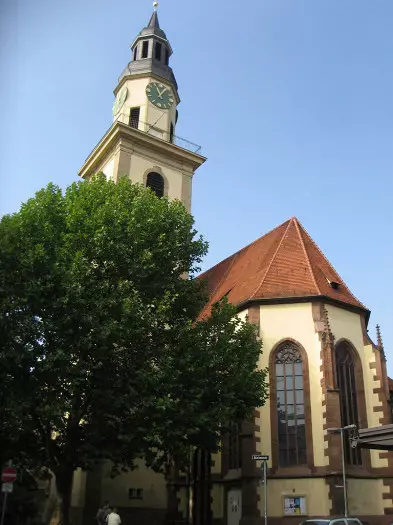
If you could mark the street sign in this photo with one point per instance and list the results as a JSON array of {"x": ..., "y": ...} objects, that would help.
[
  {"x": 259, "y": 457},
  {"x": 7, "y": 487},
  {"x": 8, "y": 475},
  {"x": 264, "y": 458}
]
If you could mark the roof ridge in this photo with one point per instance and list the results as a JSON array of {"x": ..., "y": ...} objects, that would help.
[
  {"x": 235, "y": 256},
  {"x": 330, "y": 264},
  {"x": 244, "y": 248},
  {"x": 272, "y": 259},
  {"x": 297, "y": 225}
]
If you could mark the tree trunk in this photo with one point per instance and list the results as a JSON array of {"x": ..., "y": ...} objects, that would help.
[
  {"x": 172, "y": 504},
  {"x": 64, "y": 478}
]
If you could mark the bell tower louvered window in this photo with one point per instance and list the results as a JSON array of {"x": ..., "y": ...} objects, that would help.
[
  {"x": 155, "y": 182},
  {"x": 157, "y": 51},
  {"x": 145, "y": 49},
  {"x": 134, "y": 117}
]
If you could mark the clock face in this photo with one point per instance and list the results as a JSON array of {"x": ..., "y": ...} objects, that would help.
[
  {"x": 160, "y": 95},
  {"x": 120, "y": 99}
]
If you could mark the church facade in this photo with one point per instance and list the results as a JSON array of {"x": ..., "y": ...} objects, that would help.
[
  {"x": 324, "y": 370},
  {"x": 325, "y": 373}
]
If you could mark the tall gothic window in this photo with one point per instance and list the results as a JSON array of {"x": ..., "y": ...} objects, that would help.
[
  {"x": 345, "y": 370},
  {"x": 234, "y": 447},
  {"x": 292, "y": 449},
  {"x": 155, "y": 182}
]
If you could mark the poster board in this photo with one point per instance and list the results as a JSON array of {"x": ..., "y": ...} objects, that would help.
[{"x": 294, "y": 506}]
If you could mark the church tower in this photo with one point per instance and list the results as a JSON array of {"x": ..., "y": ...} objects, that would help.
[{"x": 142, "y": 143}]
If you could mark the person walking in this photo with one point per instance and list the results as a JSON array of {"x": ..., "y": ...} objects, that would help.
[
  {"x": 102, "y": 513},
  {"x": 113, "y": 518}
]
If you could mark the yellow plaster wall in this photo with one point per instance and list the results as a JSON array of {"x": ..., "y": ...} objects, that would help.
[
  {"x": 140, "y": 163},
  {"x": 294, "y": 321},
  {"x": 216, "y": 459},
  {"x": 108, "y": 168},
  {"x": 116, "y": 490},
  {"x": 347, "y": 325},
  {"x": 365, "y": 497},
  {"x": 149, "y": 113},
  {"x": 387, "y": 499},
  {"x": 217, "y": 501},
  {"x": 135, "y": 163},
  {"x": 315, "y": 490}
]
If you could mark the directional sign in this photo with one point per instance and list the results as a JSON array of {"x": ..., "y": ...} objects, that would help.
[
  {"x": 8, "y": 475},
  {"x": 7, "y": 487},
  {"x": 259, "y": 457}
]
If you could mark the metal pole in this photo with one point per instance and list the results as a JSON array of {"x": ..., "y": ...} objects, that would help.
[
  {"x": 265, "y": 487},
  {"x": 344, "y": 476},
  {"x": 4, "y": 506}
]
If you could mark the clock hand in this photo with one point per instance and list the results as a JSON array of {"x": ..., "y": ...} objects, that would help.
[{"x": 160, "y": 93}]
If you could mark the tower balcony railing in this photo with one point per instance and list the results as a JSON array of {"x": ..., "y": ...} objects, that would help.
[{"x": 155, "y": 131}]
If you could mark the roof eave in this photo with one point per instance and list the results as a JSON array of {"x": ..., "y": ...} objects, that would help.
[{"x": 303, "y": 299}]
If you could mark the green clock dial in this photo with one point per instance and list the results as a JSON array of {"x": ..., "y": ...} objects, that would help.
[
  {"x": 160, "y": 95},
  {"x": 120, "y": 99}
]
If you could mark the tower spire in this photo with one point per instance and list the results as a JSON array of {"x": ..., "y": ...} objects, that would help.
[
  {"x": 151, "y": 52},
  {"x": 153, "y": 23}
]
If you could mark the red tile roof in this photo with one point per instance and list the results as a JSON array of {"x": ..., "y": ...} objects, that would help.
[{"x": 284, "y": 263}]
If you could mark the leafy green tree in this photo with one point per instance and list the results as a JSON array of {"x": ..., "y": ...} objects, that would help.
[{"x": 101, "y": 348}]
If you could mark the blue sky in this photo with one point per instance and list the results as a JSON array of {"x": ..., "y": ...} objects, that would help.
[{"x": 291, "y": 101}]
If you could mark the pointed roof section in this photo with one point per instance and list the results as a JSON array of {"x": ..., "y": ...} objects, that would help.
[
  {"x": 153, "y": 24},
  {"x": 159, "y": 66},
  {"x": 283, "y": 264},
  {"x": 153, "y": 27}
]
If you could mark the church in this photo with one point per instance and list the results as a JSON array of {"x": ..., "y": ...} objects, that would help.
[{"x": 325, "y": 372}]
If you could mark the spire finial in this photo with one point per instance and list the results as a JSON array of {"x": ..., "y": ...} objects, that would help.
[
  {"x": 153, "y": 24},
  {"x": 379, "y": 338},
  {"x": 379, "y": 341},
  {"x": 329, "y": 337}
]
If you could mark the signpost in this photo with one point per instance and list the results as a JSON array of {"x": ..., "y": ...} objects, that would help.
[
  {"x": 260, "y": 457},
  {"x": 8, "y": 476},
  {"x": 264, "y": 459}
]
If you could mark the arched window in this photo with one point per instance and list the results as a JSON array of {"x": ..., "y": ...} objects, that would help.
[
  {"x": 291, "y": 421},
  {"x": 155, "y": 182},
  {"x": 346, "y": 383},
  {"x": 234, "y": 447}
]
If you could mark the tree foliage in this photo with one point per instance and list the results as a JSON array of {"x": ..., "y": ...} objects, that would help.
[{"x": 102, "y": 353}]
